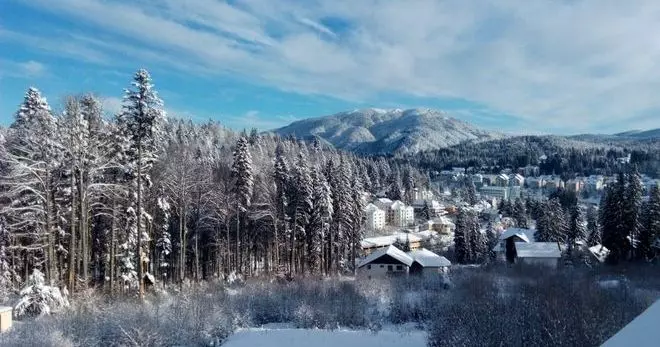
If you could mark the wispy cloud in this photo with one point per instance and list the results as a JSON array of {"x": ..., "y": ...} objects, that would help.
[
  {"x": 254, "y": 119},
  {"x": 22, "y": 69},
  {"x": 590, "y": 62}
]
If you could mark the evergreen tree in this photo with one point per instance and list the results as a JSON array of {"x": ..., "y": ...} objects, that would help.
[
  {"x": 320, "y": 220},
  {"x": 577, "y": 230},
  {"x": 426, "y": 211},
  {"x": 241, "y": 172},
  {"x": 300, "y": 198},
  {"x": 462, "y": 249},
  {"x": 520, "y": 214},
  {"x": 614, "y": 232},
  {"x": 143, "y": 117},
  {"x": 394, "y": 192},
  {"x": 593, "y": 229},
  {"x": 551, "y": 226},
  {"x": 632, "y": 203},
  {"x": 470, "y": 191},
  {"x": 408, "y": 186},
  {"x": 478, "y": 240},
  {"x": 650, "y": 229}
]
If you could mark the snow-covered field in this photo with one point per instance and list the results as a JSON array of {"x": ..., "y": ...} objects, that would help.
[{"x": 291, "y": 337}]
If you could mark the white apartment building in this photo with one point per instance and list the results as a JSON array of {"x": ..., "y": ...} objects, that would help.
[
  {"x": 401, "y": 215},
  {"x": 375, "y": 217}
]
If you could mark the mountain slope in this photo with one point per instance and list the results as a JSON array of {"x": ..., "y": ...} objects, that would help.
[{"x": 375, "y": 131}]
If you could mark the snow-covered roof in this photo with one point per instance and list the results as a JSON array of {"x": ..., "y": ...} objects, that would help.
[
  {"x": 538, "y": 250},
  {"x": 526, "y": 234},
  {"x": 384, "y": 201},
  {"x": 600, "y": 252},
  {"x": 641, "y": 332},
  {"x": 397, "y": 205},
  {"x": 383, "y": 241},
  {"x": 427, "y": 258},
  {"x": 5, "y": 309},
  {"x": 392, "y": 252}
]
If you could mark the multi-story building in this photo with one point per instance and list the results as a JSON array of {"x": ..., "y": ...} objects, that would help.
[
  {"x": 575, "y": 185},
  {"x": 401, "y": 215},
  {"x": 375, "y": 217},
  {"x": 535, "y": 182},
  {"x": 501, "y": 193},
  {"x": 516, "y": 180},
  {"x": 502, "y": 180}
]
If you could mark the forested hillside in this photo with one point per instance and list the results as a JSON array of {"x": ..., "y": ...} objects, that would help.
[
  {"x": 108, "y": 202},
  {"x": 553, "y": 155}
]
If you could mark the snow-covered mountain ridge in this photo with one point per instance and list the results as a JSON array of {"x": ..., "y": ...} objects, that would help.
[{"x": 377, "y": 131}]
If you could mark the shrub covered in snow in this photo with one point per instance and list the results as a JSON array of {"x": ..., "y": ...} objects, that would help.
[{"x": 39, "y": 299}]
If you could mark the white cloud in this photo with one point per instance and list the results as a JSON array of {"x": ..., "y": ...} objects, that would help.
[
  {"x": 570, "y": 66},
  {"x": 32, "y": 68}
]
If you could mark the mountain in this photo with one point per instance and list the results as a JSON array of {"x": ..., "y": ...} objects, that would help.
[
  {"x": 638, "y": 134},
  {"x": 376, "y": 131}
]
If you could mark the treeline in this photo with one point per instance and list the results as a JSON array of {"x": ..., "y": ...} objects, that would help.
[
  {"x": 565, "y": 157},
  {"x": 110, "y": 202}
]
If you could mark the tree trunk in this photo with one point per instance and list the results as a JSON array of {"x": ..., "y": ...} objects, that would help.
[
  {"x": 112, "y": 246},
  {"x": 139, "y": 222},
  {"x": 83, "y": 231},
  {"x": 72, "y": 242}
]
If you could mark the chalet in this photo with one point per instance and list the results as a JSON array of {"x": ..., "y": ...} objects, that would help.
[
  {"x": 389, "y": 261},
  {"x": 538, "y": 253},
  {"x": 442, "y": 225},
  {"x": 427, "y": 263},
  {"x": 506, "y": 247}
]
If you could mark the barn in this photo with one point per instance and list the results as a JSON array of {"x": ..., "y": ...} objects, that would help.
[{"x": 538, "y": 253}]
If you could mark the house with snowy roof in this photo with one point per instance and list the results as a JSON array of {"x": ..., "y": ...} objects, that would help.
[
  {"x": 371, "y": 244},
  {"x": 427, "y": 263},
  {"x": 389, "y": 261},
  {"x": 538, "y": 253}
]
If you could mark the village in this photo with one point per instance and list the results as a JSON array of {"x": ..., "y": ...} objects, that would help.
[{"x": 414, "y": 238}]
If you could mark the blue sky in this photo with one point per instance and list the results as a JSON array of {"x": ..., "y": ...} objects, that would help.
[{"x": 508, "y": 65}]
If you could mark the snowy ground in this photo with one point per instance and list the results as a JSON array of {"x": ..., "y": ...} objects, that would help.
[{"x": 291, "y": 337}]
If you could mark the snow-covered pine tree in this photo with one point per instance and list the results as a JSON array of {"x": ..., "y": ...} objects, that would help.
[
  {"x": 650, "y": 228},
  {"x": 632, "y": 204},
  {"x": 551, "y": 225},
  {"x": 593, "y": 229},
  {"x": 614, "y": 232},
  {"x": 243, "y": 176},
  {"x": 577, "y": 230},
  {"x": 143, "y": 116},
  {"x": 478, "y": 241},
  {"x": 357, "y": 218},
  {"x": 519, "y": 213},
  {"x": 426, "y": 211},
  {"x": 395, "y": 192},
  {"x": 408, "y": 186},
  {"x": 281, "y": 178},
  {"x": 462, "y": 249},
  {"x": 31, "y": 157},
  {"x": 319, "y": 221},
  {"x": 300, "y": 210},
  {"x": 470, "y": 191}
]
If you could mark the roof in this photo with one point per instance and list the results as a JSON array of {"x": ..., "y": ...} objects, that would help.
[
  {"x": 383, "y": 241},
  {"x": 526, "y": 235},
  {"x": 384, "y": 200},
  {"x": 392, "y": 252},
  {"x": 5, "y": 309},
  {"x": 398, "y": 204},
  {"x": 538, "y": 250},
  {"x": 600, "y": 252},
  {"x": 641, "y": 332},
  {"x": 426, "y": 258}
]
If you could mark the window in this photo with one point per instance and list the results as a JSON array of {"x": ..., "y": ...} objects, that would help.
[
  {"x": 389, "y": 267},
  {"x": 382, "y": 266},
  {"x": 369, "y": 267},
  {"x": 399, "y": 267}
]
